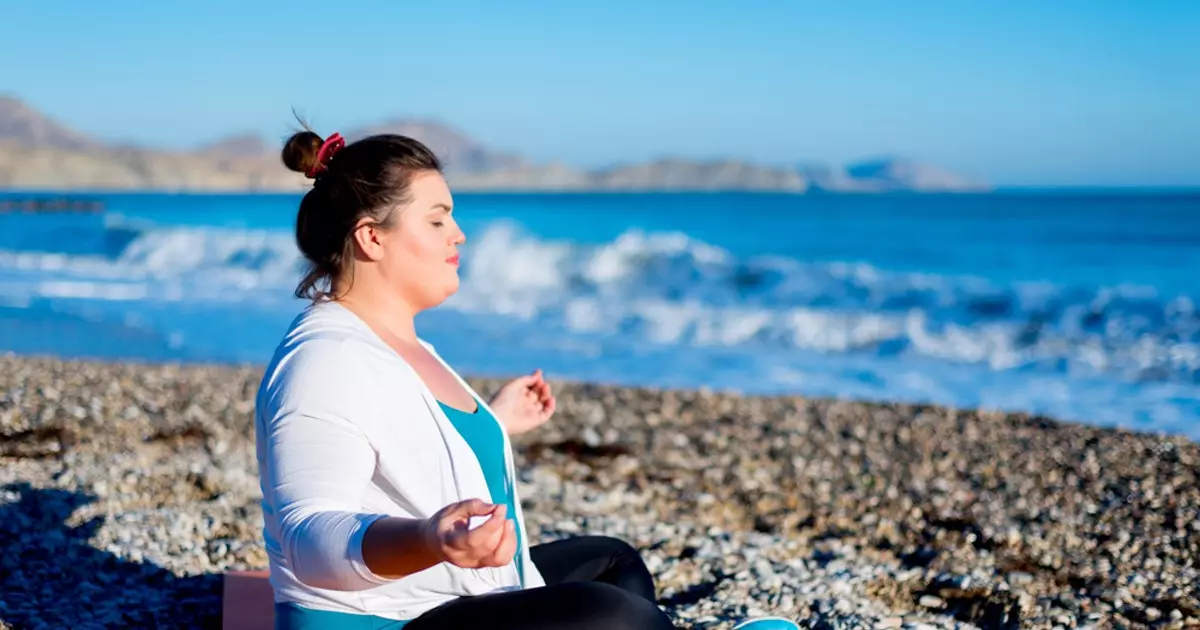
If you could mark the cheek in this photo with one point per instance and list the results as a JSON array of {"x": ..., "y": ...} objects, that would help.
[{"x": 420, "y": 250}]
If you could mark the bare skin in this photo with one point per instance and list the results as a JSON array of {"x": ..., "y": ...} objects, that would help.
[{"x": 396, "y": 274}]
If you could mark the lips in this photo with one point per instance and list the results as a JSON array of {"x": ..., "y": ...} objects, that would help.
[{"x": 453, "y": 260}]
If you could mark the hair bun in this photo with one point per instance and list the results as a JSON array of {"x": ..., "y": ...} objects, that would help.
[{"x": 300, "y": 151}]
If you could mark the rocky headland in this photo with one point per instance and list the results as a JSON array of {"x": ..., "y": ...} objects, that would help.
[{"x": 39, "y": 153}]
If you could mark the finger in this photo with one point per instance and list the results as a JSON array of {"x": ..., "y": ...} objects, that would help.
[
  {"x": 536, "y": 393},
  {"x": 486, "y": 539},
  {"x": 483, "y": 541},
  {"x": 551, "y": 405},
  {"x": 477, "y": 507},
  {"x": 449, "y": 517},
  {"x": 534, "y": 381},
  {"x": 505, "y": 528},
  {"x": 458, "y": 517},
  {"x": 495, "y": 522},
  {"x": 507, "y": 547},
  {"x": 526, "y": 380}
]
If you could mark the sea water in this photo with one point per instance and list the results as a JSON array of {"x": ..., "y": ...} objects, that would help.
[{"x": 1082, "y": 305}]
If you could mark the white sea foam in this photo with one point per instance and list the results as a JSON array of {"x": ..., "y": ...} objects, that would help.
[{"x": 843, "y": 328}]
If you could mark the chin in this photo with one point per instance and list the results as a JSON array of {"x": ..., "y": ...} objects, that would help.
[{"x": 438, "y": 297}]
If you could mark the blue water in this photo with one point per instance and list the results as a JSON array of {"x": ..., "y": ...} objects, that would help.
[{"x": 1079, "y": 306}]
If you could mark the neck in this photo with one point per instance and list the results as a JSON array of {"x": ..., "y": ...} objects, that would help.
[{"x": 380, "y": 307}]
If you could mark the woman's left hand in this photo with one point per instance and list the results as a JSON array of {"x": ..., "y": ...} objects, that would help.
[{"x": 524, "y": 403}]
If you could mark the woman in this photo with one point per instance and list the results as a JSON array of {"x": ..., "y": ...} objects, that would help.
[{"x": 388, "y": 485}]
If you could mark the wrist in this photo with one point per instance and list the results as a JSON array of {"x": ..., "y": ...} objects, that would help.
[{"x": 431, "y": 541}]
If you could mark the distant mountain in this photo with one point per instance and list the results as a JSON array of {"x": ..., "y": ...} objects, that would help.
[
  {"x": 460, "y": 153},
  {"x": 884, "y": 175},
  {"x": 898, "y": 174},
  {"x": 39, "y": 153},
  {"x": 678, "y": 174},
  {"x": 243, "y": 145},
  {"x": 21, "y": 123}
]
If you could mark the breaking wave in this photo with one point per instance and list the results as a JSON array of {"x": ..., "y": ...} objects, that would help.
[{"x": 670, "y": 289}]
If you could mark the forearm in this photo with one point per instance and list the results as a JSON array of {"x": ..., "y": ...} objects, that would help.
[{"x": 393, "y": 547}]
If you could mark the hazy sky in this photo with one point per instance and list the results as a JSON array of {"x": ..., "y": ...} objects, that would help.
[{"x": 1017, "y": 92}]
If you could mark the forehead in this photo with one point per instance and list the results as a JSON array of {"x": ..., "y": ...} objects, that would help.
[{"x": 429, "y": 190}]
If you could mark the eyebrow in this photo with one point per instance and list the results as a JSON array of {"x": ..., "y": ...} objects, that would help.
[{"x": 442, "y": 206}]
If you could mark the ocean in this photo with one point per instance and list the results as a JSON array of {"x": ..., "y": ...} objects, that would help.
[{"x": 1081, "y": 306}]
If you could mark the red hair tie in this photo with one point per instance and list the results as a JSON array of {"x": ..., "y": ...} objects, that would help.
[{"x": 326, "y": 153}]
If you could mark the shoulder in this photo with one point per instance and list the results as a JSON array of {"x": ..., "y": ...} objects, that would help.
[
  {"x": 323, "y": 340},
  {"x": 328, "y": 358}
]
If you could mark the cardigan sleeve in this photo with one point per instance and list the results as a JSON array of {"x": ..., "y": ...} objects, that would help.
[{"x": 317, "y": 461}]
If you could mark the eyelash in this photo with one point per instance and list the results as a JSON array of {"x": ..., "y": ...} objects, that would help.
[{"x": 438, "y": 224}]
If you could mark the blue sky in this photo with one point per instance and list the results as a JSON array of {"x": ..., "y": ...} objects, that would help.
[{"x": 1099, "y": 92}]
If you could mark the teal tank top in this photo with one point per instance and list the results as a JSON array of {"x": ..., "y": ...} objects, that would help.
[{"x": 482, "y": 432}]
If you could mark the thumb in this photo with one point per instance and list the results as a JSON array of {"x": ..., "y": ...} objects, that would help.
[{"x": 473, "y": 507}]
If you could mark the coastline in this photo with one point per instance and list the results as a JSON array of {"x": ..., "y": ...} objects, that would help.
[
  {"x": 1065, "y": 190},
  {"x": 129, "y": 487}
]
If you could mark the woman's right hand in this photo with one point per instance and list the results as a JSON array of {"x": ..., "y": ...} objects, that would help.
[{"x": 492, "y": 544}]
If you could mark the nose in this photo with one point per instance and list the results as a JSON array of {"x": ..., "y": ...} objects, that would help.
[{"x": 459, "y": 237}]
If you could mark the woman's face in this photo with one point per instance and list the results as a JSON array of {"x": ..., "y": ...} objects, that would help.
[{"x": 418, "y": 256}]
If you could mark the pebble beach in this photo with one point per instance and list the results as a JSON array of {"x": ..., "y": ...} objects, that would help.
[{"x": 127, "y": 489}]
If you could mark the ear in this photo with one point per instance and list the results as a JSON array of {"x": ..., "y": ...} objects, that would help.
[{"x": 369, "y": 239}]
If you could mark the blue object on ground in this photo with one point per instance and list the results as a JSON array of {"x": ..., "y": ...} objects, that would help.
[
  {"x": 767, "y": 623},
  {"x": 289, "y": 616}
]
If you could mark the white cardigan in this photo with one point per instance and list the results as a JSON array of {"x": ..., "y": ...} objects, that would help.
[{"x": 346, "y": 433}]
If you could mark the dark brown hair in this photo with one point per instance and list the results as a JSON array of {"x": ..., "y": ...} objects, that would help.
[{"x": 366, "y": 178}]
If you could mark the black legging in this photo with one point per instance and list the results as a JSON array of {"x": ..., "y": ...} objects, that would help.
[{"x": 592, "y": 583}]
